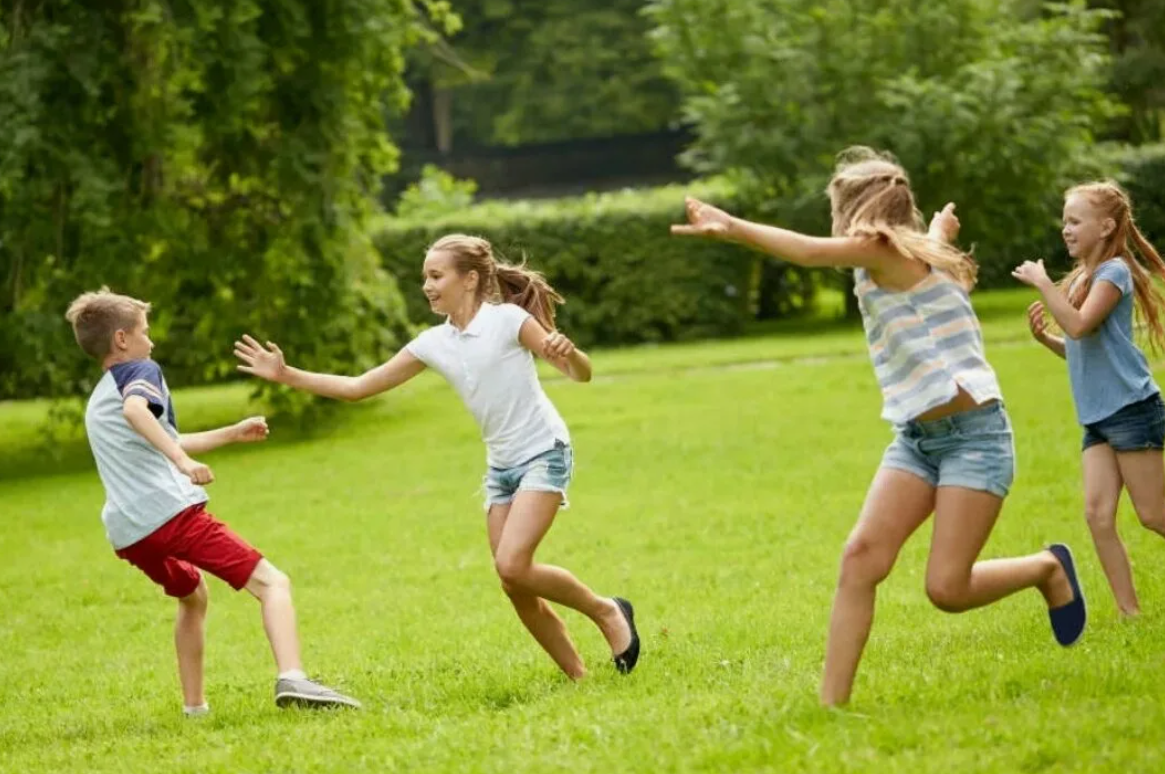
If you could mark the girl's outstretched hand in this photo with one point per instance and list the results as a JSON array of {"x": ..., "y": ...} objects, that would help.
[
  {"x": 264, "y": 362},
  {"x": 944, "y": 226},
  {"x": 1032, "y": 273},
  {"x": 1036, "y": 321},
  {"x": 703, "y": 220}
]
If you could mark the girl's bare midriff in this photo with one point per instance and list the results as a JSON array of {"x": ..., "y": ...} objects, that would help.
[{"x": 958, "y": 404}]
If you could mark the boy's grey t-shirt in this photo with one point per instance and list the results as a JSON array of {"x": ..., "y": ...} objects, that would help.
[
  {"x": 143, "y": 489},
  {"x": 1107, "y": 369}
]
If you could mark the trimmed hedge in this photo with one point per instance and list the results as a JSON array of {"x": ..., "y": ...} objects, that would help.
[{"x": 625, "y": 278}]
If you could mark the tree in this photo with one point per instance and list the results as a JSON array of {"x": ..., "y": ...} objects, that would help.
[
  {"x": 528, "y": 71},
  {"x": 1136, "y": 35},
  {"x": 218, "y": 159},
  {"x": 984, "y": 106}
]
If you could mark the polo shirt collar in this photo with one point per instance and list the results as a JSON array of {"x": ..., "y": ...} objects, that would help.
[{"x": 475, "y": 325}]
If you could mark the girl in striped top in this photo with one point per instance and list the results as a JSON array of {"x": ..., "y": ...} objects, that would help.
[{"x": 952, "y": 454}]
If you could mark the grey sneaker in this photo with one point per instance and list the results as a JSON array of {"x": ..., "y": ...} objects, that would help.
[{"x": 308, "y": 693}]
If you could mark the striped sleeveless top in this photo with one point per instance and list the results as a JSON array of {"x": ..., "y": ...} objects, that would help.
[{"x": 925, "y": 343}]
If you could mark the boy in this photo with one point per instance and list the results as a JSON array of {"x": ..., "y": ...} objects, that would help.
[{"x": 155, "y": 509}]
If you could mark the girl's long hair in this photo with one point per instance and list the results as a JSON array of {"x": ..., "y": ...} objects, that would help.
[{"x": 871, "y": 197}]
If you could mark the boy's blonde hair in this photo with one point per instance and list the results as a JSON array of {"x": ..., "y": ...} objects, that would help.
[
  {"x": 871, "y": 197},
  {"x": 97, "y": 315}
]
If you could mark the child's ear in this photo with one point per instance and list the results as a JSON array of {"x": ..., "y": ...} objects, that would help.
[
  {"x": 119, "y": 337},
  {"x": 1109, "y": 227}
]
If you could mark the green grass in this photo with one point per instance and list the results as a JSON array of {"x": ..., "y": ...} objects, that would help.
[{"x": 717, "y": 498}]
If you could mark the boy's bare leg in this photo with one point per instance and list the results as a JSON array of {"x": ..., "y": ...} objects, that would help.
[
  {"x": 273, "y": 590},
  {"x": 189, "y": 641},
  {"x": 292, "y": 687}
]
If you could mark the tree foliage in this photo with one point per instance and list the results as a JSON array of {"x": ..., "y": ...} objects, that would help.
[
  {"x": 546, "y": 70},
  {"x": 217, "y": 159},
  {"x": 985, "y": 106},
  {"x": 1137, "y": 40}
]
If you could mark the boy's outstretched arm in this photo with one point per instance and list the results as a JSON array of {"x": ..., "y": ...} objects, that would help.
[
  {"x": 267, "y": 362},
  {"x": 137, "y": 412},
  {"x": 249, "y": 429}
]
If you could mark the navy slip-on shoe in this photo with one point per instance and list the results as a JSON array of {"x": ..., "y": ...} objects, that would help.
[
  {"x": 1068, "y": 620},
  {"x": 626, "y": 660}
]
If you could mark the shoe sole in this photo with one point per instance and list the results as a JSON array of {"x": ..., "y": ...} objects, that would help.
[{"x": 289, "y": 699}]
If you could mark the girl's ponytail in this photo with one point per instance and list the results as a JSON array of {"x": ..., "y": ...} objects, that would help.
[{"x": 503, "y": 282}]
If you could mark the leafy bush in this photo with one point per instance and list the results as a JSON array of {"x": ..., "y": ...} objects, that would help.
[
  {"x": 436, "y": 194},
  {"x": 625, "y": 278}
]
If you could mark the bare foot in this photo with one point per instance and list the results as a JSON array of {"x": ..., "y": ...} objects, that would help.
[
  {"x": 614, "y": 627},
  {"x": 1057, "y": 590}
]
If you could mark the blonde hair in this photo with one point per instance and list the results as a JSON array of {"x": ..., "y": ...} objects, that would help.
[
  {"x": 871, "y": 197},
  {"x": 1125, "y": 242},
  {"x": 501, "y": 282},
  {"x": 97, "y": 315}
]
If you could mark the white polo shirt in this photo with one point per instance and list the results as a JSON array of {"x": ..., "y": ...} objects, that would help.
[{"x": 495, "y": 377}]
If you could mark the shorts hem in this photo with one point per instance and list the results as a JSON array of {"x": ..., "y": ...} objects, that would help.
[
  {"x": 1091, "y": 441},
  {"x": 509, "y": 499},
  {"x": 924, "y": 475},
  {"x": 250, "y": 571},
  {"x": 978, "y": 485},
  {"x": 174, "y": 595}
]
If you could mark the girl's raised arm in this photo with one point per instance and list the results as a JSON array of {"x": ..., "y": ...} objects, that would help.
[
  {"x": 267, "y": 362},
  {"x": 708, "y": 221}
]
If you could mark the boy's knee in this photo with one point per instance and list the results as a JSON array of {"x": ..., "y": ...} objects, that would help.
[
  {"x": 268, "y": 578},
  {"x": 197, "y": 599}
]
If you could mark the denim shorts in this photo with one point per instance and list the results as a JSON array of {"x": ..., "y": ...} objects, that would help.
[
  {"x": 1136, "y": 427},
  {"x": 972, "y": 449},
  {"x": 549, "y": 471}
]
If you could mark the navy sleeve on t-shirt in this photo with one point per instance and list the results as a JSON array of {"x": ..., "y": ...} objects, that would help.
[{"x": 144, "y": 378}]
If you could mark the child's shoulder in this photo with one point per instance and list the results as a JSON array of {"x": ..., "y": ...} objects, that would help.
[
  {"x": 139, "y": 376},
  {"x": 134, "y": 369},
  {"x": 510, "y": 311},
  {"x": 1116, "y": 271}
]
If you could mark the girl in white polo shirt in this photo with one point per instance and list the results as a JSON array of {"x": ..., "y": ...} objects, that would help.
[{"x": 497, "y": 315}]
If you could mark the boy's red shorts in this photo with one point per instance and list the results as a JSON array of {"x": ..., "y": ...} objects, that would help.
[{"x": 192, "y": 539}]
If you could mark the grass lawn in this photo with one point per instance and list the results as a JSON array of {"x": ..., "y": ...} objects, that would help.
[{"x": 715, "y": 484}]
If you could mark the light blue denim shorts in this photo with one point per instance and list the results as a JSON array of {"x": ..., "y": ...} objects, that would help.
[
  {"x": 973, "y": 449},
  {"x": 549, "y": 471}
]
